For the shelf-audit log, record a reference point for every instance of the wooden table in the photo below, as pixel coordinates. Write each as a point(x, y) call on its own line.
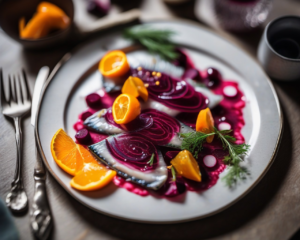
point(270, 211)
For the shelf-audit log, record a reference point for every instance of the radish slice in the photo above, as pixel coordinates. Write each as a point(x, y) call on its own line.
point(210, 161)
point(224, 126)
point(230, 91)
point(83, 137)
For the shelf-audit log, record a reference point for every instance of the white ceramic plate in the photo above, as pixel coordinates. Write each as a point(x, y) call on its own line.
point(63, 100)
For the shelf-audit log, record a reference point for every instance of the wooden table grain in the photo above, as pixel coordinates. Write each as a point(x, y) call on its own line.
point(270, 211)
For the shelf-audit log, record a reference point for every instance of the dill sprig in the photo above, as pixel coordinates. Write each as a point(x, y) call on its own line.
point(155, 40)
point(236, 152)
point(150, 162)
point(193, 142)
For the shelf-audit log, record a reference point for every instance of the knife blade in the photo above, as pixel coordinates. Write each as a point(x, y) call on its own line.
point(40, 80)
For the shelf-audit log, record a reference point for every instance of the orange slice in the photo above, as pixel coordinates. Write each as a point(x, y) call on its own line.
point(205, 123)
point(135, 87)
point(114, 64)
point(125, 108)
point(64, 152)
point(92, 175)
point(47, 18)
point(187, 166)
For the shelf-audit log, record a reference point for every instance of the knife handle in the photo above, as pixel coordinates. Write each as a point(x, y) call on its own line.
point(40, 214)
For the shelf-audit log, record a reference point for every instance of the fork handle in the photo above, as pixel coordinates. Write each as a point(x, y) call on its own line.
point(18, 177)
point(40, 214)
point(17, 199)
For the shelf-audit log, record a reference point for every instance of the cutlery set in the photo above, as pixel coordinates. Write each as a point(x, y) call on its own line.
point(16, 106)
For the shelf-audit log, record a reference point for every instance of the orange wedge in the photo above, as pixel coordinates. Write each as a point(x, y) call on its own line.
point(187, 166)
point(135, 87)
point(92, 175)
point(125, 108)
point(64, 152)
point(205, 123)
point(114, 64)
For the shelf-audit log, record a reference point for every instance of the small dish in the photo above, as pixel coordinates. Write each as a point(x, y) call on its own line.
point(279, 49)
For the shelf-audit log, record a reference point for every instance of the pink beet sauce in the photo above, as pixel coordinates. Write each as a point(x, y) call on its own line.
point(227, 114)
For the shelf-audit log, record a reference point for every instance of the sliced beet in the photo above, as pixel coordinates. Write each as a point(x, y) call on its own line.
point(94, 101)
point(85, 115)
point(173, 188)
point(193, 74)
point(83, 137)
point(98, 7)
point(214, 77)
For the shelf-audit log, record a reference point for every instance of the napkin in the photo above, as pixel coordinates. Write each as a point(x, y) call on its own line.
point(8, 230)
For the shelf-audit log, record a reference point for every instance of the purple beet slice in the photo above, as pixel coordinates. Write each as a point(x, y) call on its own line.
point(93, 101)
point(193, 74)
point(83, 137)
point(85, 115)
point(98, 7)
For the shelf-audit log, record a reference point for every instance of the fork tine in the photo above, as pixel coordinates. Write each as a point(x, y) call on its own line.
point(19, 89)
point(10, 87)
point(3, 98)
point(27, 96)
point(15, 89)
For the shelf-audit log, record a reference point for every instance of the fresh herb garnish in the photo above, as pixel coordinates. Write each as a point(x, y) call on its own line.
point(193, 142)
point(173, 171)
point(150, 162)
point(155, 40)
point(236, 151)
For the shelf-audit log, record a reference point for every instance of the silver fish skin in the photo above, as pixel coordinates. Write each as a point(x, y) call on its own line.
point(214, 99)
point(98, 123)
point(152, 180)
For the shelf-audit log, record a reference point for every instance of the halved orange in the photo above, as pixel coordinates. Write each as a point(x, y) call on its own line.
point(64, 152)
point(92, 175)
point(187, 166)
point(205, 123)
point(135, 87)
point(114, 64)
point(125, 108)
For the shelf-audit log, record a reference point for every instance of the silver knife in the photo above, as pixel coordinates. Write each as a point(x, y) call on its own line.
point(40, 215)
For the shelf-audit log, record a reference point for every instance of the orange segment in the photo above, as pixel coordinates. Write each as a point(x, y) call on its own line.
point(64, 152)
point(135, 87)
point(48, 17)
point(187, 166)
point(92, 175)
point(114, 64)
point(205, 123)
point(125, 108)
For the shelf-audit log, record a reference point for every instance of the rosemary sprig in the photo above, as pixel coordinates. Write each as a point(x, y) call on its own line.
point(150, 162)
point(193, 142)
point(155, 40)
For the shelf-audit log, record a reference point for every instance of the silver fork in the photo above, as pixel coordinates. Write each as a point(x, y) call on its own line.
point(16, 107)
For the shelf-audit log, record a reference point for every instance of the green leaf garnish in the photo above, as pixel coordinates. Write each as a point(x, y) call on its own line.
point(155, 40)
point(173, 171)
point(236, 152)
point(193, 142)
point(150, 162)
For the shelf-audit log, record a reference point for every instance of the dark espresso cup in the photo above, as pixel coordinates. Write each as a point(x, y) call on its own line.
point(279, 49)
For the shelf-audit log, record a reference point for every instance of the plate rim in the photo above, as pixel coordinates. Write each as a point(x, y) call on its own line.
point(66, 58)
